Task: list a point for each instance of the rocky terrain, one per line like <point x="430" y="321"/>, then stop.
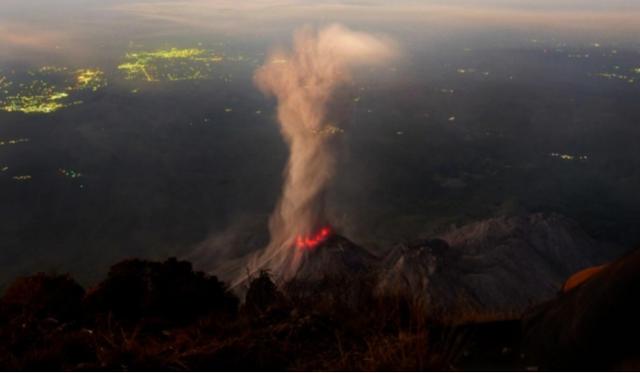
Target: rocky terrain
<point x="592" y="326"/>
<point x="484" y="296"/>
<point x="499" y="265"/>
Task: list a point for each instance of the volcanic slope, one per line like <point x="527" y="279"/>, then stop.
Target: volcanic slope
<point x="499" y="265"/>
<point x="337" y="269"/>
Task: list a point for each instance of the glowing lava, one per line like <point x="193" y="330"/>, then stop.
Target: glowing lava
<point x="311" y="242"/>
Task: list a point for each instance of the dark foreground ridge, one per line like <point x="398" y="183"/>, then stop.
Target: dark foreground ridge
<point x="338" y="313"/>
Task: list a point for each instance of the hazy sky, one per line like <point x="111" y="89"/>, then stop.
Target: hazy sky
<point x="33" y="24"/>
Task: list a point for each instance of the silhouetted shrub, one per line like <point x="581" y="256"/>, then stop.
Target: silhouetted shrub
<point x="171" y="290"/>
<point x="42" y="296"/>
<point x="262" y="295"/>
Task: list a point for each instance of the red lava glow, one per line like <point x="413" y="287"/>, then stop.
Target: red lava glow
<point x="311" y="242"/>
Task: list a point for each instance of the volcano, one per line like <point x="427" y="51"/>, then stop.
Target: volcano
<point x="496" y="266"/>
<point x="322" y="257"/>
<point x="335" y="270"/>
<point x="334" y="257"/>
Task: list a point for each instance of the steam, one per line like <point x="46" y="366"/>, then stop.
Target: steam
<point x="306" y="82"/>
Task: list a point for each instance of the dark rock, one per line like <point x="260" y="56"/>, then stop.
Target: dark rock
<point x="593" y="326"/>
<point x="409" y="271"/>
<point x="500" y="265"/>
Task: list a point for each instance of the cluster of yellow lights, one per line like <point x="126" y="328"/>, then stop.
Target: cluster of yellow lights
<point x="328" y="130"/>
<point x="569" y="157"/>
<point x="626" y="78"/>
<point x="37" y="97"/>
<point x="471" y="70"/>
<point x="578" y="55"/>
<point x="90" y="79"/>
<point x="169" y="64"/>
<point x="63" y="172"/>
<point x="50" y="89"/>
<point x="50" y="70"/>
<point x="4" y="84"/>
<point x="13" y="141"/>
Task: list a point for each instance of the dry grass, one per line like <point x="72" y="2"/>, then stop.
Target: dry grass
<point x="322" y="328"/>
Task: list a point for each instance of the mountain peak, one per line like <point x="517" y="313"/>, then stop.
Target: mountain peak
<point x="335" y="257"/>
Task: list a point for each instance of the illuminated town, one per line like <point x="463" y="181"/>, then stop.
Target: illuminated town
<point x="13" y="141"/>
<point x="22" y="178"/>
<point x="569" y="157"/>
<point x="169" y="64"/>
<point x="72" y="174"/>
<point x="48" y="89"/>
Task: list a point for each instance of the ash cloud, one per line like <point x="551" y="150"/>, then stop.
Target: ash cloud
<point x="307" y="81"/>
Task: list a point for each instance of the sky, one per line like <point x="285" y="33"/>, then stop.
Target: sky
<point x="37" y="24"/>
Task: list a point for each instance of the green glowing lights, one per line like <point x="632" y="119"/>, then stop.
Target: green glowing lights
<point x="69" y="173"/>
<point x="169" y="64"/>
<point x="47" y="89"/>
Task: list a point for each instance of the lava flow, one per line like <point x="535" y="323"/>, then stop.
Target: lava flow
<point x="311" y="242"/>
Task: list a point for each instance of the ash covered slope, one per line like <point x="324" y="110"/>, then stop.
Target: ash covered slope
<point x="337" y="257"/>
<point x="496" y="265"/>
<point x="337" y="270"/>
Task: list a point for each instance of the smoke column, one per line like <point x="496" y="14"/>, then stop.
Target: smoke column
<point x="305" y="81"/>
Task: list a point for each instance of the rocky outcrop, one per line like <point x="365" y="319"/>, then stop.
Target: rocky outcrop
<point x="593" y="326"/>
<point x="496" y="265"/>
<point x="412" y="271"/>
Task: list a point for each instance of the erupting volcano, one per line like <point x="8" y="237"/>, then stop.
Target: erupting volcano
<point x="305" y="82"/>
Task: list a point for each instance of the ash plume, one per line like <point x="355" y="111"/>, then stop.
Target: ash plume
<point x="306" y="82"/>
